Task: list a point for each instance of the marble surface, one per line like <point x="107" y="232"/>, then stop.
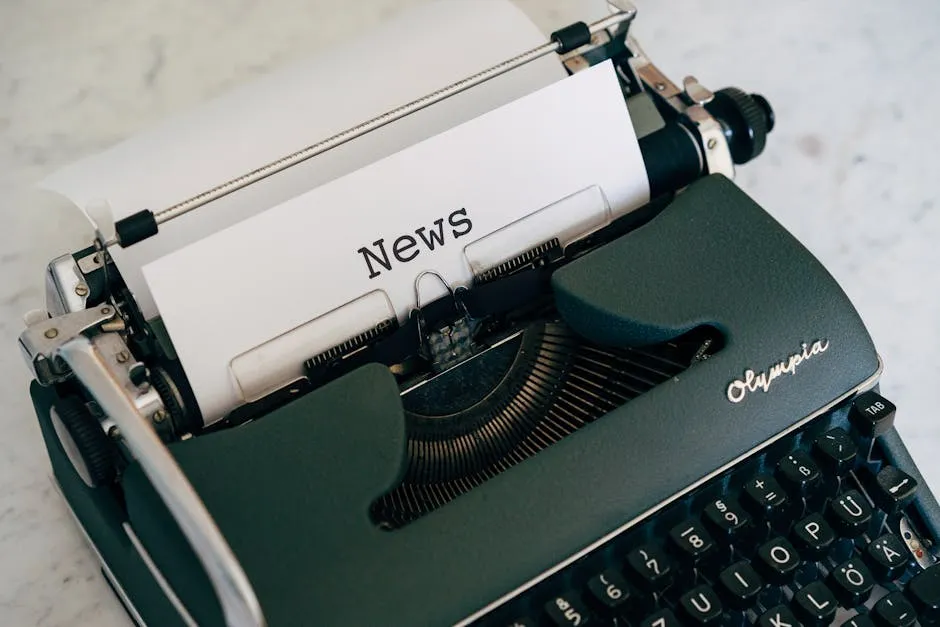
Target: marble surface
<point x="851" y="169"/>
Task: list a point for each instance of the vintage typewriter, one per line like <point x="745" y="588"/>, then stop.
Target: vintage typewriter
<point x="673" y="420"/>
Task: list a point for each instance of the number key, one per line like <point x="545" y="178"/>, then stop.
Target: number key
<point x="608" y="593"/>
<point x="726" y="518"/>
<point x="649" y="567"/>
<point x="566" y="610"/>
<point x="691" y="541"/>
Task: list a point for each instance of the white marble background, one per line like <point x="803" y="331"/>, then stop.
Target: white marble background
<point x="852" y="170"/>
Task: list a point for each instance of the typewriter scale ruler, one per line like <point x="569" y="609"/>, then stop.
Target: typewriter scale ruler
<point x="472" y="422"/>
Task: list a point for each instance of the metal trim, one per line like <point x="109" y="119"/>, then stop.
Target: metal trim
<point x="865" y="385"/>
<point x="40" y="341"/>
<point x="717" y="152"/>
<point x="63" y="281"/>
<point x="90" y="263"/>
<point x="158" y="576"/>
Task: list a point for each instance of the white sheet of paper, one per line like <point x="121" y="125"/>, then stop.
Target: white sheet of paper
<point x="420" y="51"/>
<point x="242" y="287"/>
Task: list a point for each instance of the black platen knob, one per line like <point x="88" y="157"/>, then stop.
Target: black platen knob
<point x="95" y="450"/>
<point x="747" y="118"/>
<point x="768" y="110"/>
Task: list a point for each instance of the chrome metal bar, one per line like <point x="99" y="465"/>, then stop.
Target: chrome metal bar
<point x="168" y="590"/>
<point x="239" y="604"/>
<point x="258" y="174"/>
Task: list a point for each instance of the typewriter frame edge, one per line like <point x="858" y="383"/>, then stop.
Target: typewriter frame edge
<point x="891" y="443"/>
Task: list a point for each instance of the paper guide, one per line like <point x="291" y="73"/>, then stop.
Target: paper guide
<point x="378" y="228"/>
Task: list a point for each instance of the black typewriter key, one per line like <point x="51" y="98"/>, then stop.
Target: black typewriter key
<point x="740" y="584"/>
<point x="650" y="567"/>
<point x="777" y="560"/>
<point x="799" y="474"/>
<point x="893" y="489"/>
<point x="835" y="451"/>
<point x="608" y="594"/>
<point x="778" y="616"/>
<point x="893" y="610"/>
<point x="851" y="582"/>
<point x="859" y="620"/>
<point x="872" y="414"/>
<point x="701" y="606"/>
<point x="850" y="514"/>
<point x="924" y="592"/>
<point x="566" y="610"/>
<point x="522" y="621"/>
<point x="814" y="604"/>
<point x="726" y="519"/>
<point x="887" y="556"/>
<point x="763" y="496"/>
<point x="813" y="537"/>
<point x="691" y="541"/>
<point x="662" y="618"/>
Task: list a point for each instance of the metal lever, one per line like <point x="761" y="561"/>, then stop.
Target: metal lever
<point x="717" y="155"/>
<point x="239" y="604"/>
<point x="45" y="336"/>
<point x="143" y="224"/>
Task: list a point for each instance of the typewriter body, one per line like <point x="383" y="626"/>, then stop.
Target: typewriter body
<point x="673" y="420"/>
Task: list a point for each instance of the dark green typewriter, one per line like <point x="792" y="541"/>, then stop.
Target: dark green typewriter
<point x="673" y="420"/>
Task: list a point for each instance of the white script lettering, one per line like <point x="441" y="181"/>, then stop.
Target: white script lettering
<point x="754" y="381"/>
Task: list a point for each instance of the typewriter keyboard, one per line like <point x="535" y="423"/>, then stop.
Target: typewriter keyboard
<point x="817" y="529"/>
